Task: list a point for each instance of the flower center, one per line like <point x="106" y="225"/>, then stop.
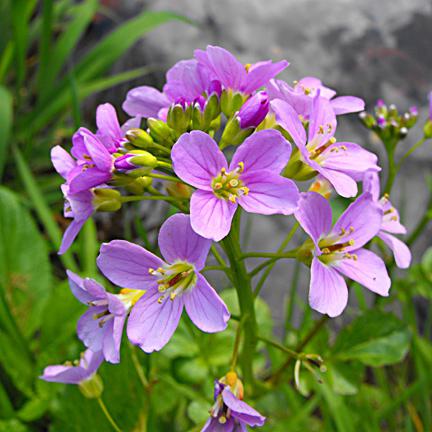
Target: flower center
<point x="228" y="185"/>
<point x="174" y="279"/>
<point x="337" y="244"/>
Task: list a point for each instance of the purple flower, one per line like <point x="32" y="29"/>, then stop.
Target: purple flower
<point x="251" y="180"/>
<point x="390" y="223"/>
<point x="230" y="413"/>
<point x="78" y="206"/>
<point x="301" y="96"/>
<point x="169" y="285"/>
<point x="186" y="82"/>
<point x="339" y="250"/>
<point x="101" y="327"/>
<point x="341" y="163"/>
<point x="75" y="373"/>
<point x="254" y="110"/>
<point x="233" y="75"/>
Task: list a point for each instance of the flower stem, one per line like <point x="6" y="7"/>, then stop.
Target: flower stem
<point x="277" y="255"/>
<point x="279" y="346"/>
<point x="164" y="177"/>
<point x="108" y="415"/>
<point x="163" y="164"/>
<point x="241" y="281"/>
<point x="236" y="346"/>
<point x="392" y="169"/>
<point x="148" y="198"/>
<point x="416" y="146"/>
<point x="138" y="368"/>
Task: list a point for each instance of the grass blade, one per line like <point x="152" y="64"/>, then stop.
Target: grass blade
<point x="5" y="124"/>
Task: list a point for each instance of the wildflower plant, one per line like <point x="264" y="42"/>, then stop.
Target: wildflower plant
<point x="222" y="140"/>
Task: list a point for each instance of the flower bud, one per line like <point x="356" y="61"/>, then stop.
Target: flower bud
<point x="254" y="110"/>
<point x="427" y="129"/>
<point x="139" y="138"/>
<point x="231" y="102"/>
<point x="233" y="134"/>
<point x="296" y="169"/>
<point x="92" y="388"/>
<point x="215" y="88"/>
<point x="179" y="190"/>
<point x="161" y="132"/>
<point x="106" y="199"/>
<point x="135" y="159"/>
<point x="138" y="185"/>
<point x="179" y="117"/>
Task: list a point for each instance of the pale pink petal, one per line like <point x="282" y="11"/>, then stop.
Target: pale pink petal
<point x="62" y="161"/>
<point x="260" y="73"/>
<point x="145" y="102"/>
<point x="347" y="104"/>
<point x="400" y="250"/>
<point x="241" y="410"/>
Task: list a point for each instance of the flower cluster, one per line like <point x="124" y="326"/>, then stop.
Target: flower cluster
<point x="286" y="160"/>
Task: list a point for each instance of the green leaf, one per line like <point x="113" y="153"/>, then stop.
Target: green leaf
<point x="25" y="272"/>
<point x="5" y="124"/>
<point x="198" y="412"/>
<point x="375" y="339"/>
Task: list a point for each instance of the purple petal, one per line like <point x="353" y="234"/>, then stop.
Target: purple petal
<point x="347" y="104"/>
<point x="127" y="265"/>
<point x="301" y="103"/>
<point x="263" y="150"/>
<point x="211" y="216"/>
<point x="70" y="234"/>
<point x="400" y="250"/>
<point x="77" y="287"/>
<point x="94" y="288"/>
<point x="145" y="102"/>
<point x="205" y="308"/>
<point x="151" y="324"/>
<point x="314" y="84"/>
<point x="260" y="73"/>
<point x="178" y="241"/>
<point x="132" y="123"/>
<point x="314" y="214"/>
<point x="361" y="221"/>
<point x="269" y="193"/>
<point x="288" y="118"/>
<point x="344" y="185"/>
<point x="328" y="293"/>
<point x="197" y="159"/>
<point x="62" y="161"/>
<point x="391" y="220"/>
<point x="213" y="425"/>
<point x="97" y="151"/>
<point x="371" y="184"/>
<point x="241" y="410"/>
<point x="223" y="65"/>
<point x="89" y="330"/>
<point x="112" y="339"/>
<point x="322" y="118"/>
<point x="349" y="158"/>
<point x="107" y="121"/>
<point x="88" y="179"/>
<point x="368" y="270"/>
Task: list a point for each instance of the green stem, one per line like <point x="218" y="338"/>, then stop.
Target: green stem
<point x="148" y="198"/>
<point x="164" y="177"/>
<point x="279" y="346"/>
<point x="292" y="297"/>
<point x="277" y="255"/>
<point x="164" y="164"/>
<point x="416" y="146"/>
<point x="283" y="245"/>
<point x="138" y="368"/>
<point x="241" y="281"/>
<point x="108" y="415"/>
<point x="236" y="346"/>
<point x="392" y="168"/>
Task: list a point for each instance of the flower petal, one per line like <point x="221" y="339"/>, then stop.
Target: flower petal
<point x="211" y="216"/>
<point x="400" y="250"/>
<point x="205" y="308"/>
<point x="78" y="289"/>
<point x="107" y="121"/>
<point x="361" y="221"/>
<point x="197" y="159"/>
<point x="112" y="340"/>
<point x="313" y="84"/>
<point x="127" y="265"/>
<point x="371" y="184"/>
<point x="70" y="234"/>
<point x="288" y="118"/>
<point x="269" y="193"/>
<point x="322" y="124"/>
<point x="178" y="241"/>
<point x="151" y="324"/>
<point x="368" y="270"/>
<point x="223" y="65"/>
<point x="263" y="150"/>
<point x="62" y="161"/>
<point x="96" y="150"/>
<point x="241" y="410"/>
<point x="89" y="330"/>
<point x="328" y="293"/>
<point x="145" y="102"/>
<point x="347" y="104"/>
<point x="88" y="179"/>
<point x="262" y="72"/>
<point x="344" y="185"/>
<point x="314" y="215"/>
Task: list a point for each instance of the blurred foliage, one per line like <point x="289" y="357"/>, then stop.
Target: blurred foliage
<point x="377" y="369"/>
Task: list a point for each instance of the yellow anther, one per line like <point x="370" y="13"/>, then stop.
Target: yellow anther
<point x="354" y="257"/>
<point x="68" y="363"/>
<point x="295" y="82"/>
<point x="161" y="299"/>
<point x="247" y="66"/>
<point x="307" y="91"/>
<point x="245" y="190"/>
<point x="223" y="171"/>
<point x="301" y="118"/>
<point x="351" y="242"/>
<point x="332" y="140"/>
<point x="321" y="130"/>
<point x="335" y="150"/>
<point x="386" y="196"/>
<point x="232" y="198"/>
<point x="343" y="147"/>
<point x="325" y="251"/>
<point x="231" y="378"/>
<point x="233" y="183"/>
<point x="351" y="229"/>
<point x="240" y="167"/>
<point x="394" y="218"/>
<point x="87" y="157"/>
<point x="222" y="419"/>
<point x="342" y="232"/>
<point x="218" y="186"/>
<point x="173" y="295"/>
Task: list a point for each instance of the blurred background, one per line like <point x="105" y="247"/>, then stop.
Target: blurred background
<point x="60" y="59"/>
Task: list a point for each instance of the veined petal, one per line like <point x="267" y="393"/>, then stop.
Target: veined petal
<point x="314" y="214"/>
<point x="371" y="184"/>
<point x="197" y="159"/>
<point x="263" y="150"/>
<point x="344" y="185"/>
<point x="88" y="179"/>
<point x="391" y="219"/>
<point x="112" y="339"/>
<point x="313" y="84"/>
<point x="62" y="161"/>
<point x="367" y="269"/>
<point x="107" y="121"/>
<point x="178" y="241"/>
<point x="241" y="410"/>
<point x="322" y="125"/>
<point x="78" y="289"/>
<point x="400" y="250"/>
<point x="347" y="104"/>
<point x="97" y="151"/>
<point x="127" y="265"/>
<point x="205" y="308"/>
<point x="222" y="64"/>
<point x="151" y="324"/>
<point x="260" y="73"/>
<point x="211" y="216"/>
<point x="360" y="222"/>
<point x="328" y="293"/>
<point x="89" y="331"/>
<point x="70" y="234"/>
<point x="288" y="118"/>
<point x="145" y="102"/>
<point x="269" y="193"/>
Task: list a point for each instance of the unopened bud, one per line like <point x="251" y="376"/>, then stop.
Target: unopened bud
<point x="92" y="388"/>
<point x="233" y="134"/>
<point x="106" y="199"/>
<point x="160" y="131"/>
<point x="231" y="102"/>
<point x="254" y="110"/>
<point x="427" y="129"/>
<point x="135" y="159"/>
<point x="138" y="185"/>
<point x="179" y="190"/>
<point x="179" y="117"/>
<point x="139" y="138"/>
